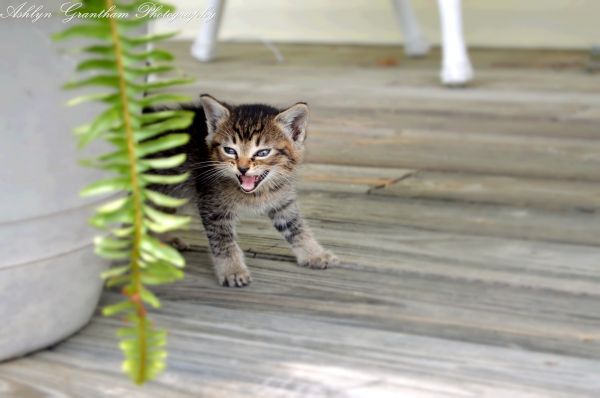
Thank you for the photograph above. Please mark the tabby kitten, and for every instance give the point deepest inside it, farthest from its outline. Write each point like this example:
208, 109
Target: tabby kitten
245, 158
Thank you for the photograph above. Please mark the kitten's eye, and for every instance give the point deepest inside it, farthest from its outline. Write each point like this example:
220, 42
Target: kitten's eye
262, 153
229, 151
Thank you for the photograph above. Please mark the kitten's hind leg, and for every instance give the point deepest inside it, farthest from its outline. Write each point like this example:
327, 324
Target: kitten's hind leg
309, 253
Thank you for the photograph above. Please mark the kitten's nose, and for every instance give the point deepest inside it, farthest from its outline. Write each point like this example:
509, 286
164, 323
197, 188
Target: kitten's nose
243, 170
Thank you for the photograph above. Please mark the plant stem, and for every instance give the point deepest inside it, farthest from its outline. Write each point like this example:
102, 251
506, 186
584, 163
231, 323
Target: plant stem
136, 198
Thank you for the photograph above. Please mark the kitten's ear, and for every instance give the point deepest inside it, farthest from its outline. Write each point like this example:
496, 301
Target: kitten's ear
215, 112
293, 121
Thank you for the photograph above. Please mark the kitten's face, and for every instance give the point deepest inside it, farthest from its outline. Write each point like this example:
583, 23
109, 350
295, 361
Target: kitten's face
256, 145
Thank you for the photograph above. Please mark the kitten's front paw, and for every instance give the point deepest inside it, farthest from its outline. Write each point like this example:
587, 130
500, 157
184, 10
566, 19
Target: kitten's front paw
321, 260
234, 276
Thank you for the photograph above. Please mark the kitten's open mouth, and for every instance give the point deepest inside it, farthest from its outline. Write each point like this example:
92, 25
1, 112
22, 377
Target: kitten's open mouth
249, 183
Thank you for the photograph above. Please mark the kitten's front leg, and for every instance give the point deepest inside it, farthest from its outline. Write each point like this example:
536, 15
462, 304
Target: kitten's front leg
228, 258
287, 219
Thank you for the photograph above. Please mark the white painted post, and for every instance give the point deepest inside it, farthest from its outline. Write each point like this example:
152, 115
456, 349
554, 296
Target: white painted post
415, 43
205, 44
456, 66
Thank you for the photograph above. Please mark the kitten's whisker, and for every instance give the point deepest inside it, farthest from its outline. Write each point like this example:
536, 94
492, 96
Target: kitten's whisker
205, 166
212, 175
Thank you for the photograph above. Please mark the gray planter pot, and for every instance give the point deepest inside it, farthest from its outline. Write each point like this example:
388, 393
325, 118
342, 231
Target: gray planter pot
49, 276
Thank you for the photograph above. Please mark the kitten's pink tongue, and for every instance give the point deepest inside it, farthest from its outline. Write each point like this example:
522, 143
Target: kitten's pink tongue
248, 182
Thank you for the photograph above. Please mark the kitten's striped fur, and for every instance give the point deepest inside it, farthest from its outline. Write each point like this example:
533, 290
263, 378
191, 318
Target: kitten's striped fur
220, 191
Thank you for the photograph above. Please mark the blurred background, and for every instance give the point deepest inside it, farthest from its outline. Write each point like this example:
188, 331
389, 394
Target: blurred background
488, 23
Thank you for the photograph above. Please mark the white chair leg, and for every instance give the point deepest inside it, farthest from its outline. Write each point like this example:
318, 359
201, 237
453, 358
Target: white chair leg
416, 44
456, 66
205, 44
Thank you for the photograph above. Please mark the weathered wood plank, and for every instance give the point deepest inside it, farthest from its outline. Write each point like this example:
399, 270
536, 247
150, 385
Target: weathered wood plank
539, 193
560, 121
500, 72
462, 218
472, 289
459, 187
458, 152
370, 92
554, 267
333, 178
568, 62
226, 352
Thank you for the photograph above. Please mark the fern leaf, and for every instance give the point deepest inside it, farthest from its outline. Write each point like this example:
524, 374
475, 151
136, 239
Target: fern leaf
102, 97
146, 39
162, 144
93, 63
164, 179
151, 55
162, 99
129, 219
164, 163
101, 80
106, 186
160, 199
94, 31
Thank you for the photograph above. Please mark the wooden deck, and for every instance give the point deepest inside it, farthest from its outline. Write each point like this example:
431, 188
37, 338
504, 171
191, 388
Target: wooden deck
466, 219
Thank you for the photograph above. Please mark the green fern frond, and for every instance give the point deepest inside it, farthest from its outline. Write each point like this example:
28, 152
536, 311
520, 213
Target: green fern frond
119, 63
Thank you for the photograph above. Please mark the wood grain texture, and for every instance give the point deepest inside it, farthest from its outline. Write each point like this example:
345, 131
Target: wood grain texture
467, 226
